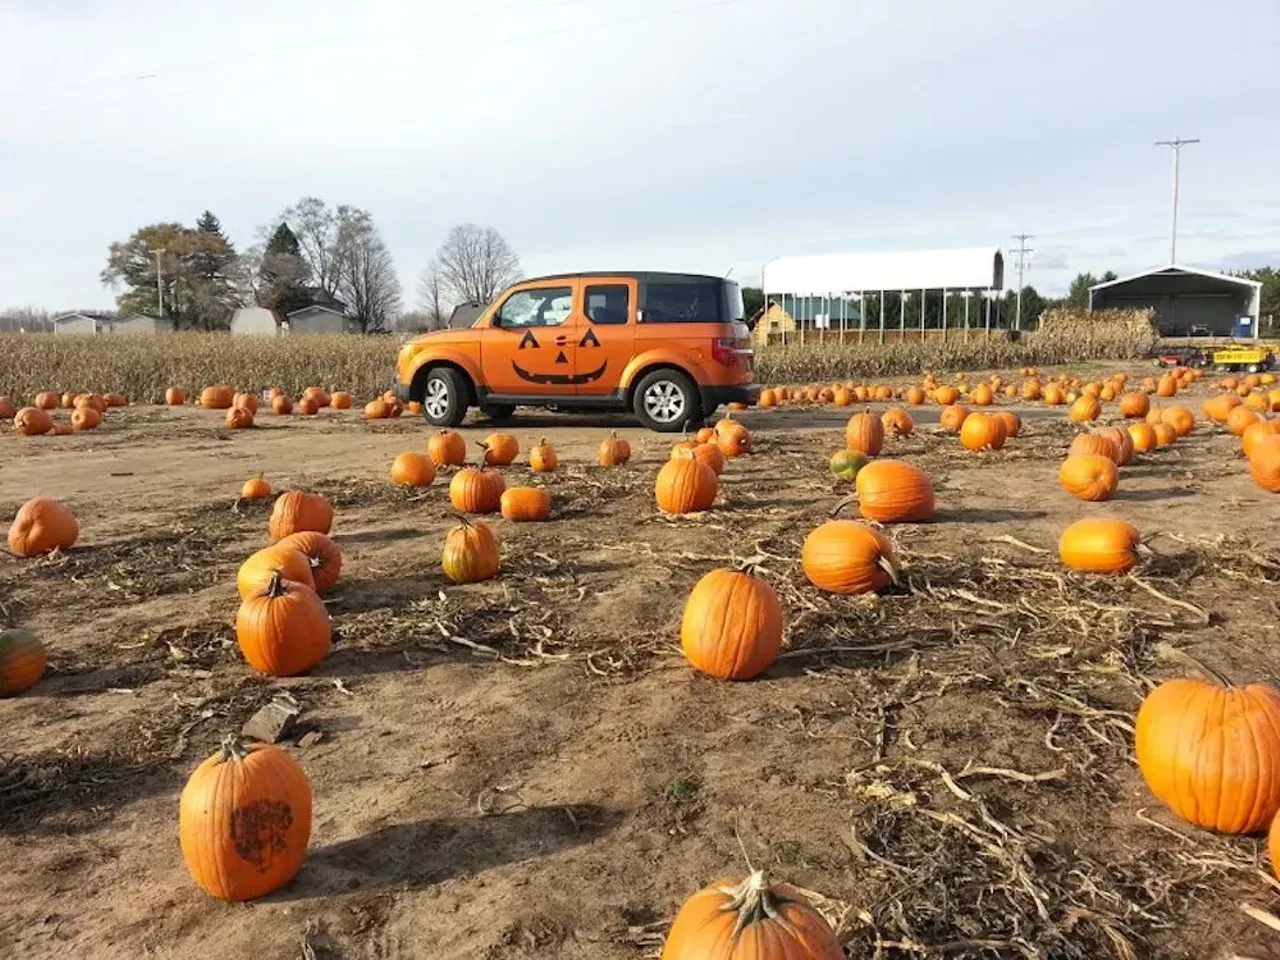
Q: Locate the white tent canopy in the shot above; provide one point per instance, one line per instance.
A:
(977, 268)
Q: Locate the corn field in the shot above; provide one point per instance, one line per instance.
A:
(143, 367)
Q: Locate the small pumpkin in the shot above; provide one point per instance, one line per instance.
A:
(174, 397)
(6, 408)
(1264, 463)
(982, 431)
(247, 401)
(68, 401)
(502, 449)
(685, 486)
(42, 525)
(45, 400)
(981, 396)
(1210, 753)
(768, 398)
(1254, 434)
(377, 410)
(447, 448)
(841, 397)
(91, 400)
(894, 491)
(238, 418)
(324, 555)
(1241, 419)
(916, 396)
(613, 451)
(897, 422)
(22, 661)
(1054, 396)
(256, 572)
(85, 418)
(216, 397)
(705, 453)
(244, 820)
(476, 490)
(283, 628)
(32, 421)
(413, 469)
(1087, 477)
(1165, 434)
(846, 557)
(308, 406)
(733, 439)
(319, 395)
(952, 417)
(1121, 442)
(732, 625)
(1143, 436)
(705, 435)
(255, 488)
(470, 552)
(1099, 545)
(341, 400)
(525, 504)
(752, 920)
(1012, 422)
(295, 512)
(542, 458)
(845, 464)
(1092, 445)
(61, 430)
(946, 396)
(864, 433)
(282, 404)
(1167, 387)
(1085, 409)
(1135, 405)
(1180, 418)
(1219, 408)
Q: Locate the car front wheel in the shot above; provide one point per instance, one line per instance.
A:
(666, 400)
(444, 398)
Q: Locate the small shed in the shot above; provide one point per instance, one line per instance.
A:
(1187, 301)
(771, 323)
(316, 318)
(140, 324)
(256, 321)
(83, 322)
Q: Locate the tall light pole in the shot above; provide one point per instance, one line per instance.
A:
(1176, 144)
(159, 282)
(1022, 252)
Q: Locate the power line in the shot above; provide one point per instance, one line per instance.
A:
(1022, 252)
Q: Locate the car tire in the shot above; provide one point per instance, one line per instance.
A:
(444, 397)
(666, 401)
(498, 412)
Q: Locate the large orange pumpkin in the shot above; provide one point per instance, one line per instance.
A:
(1012, 423)
(447, 448)
(981, 395)
(503, 449)
(1143, 436)
(377, 410)
(325, 557)
(22, 661)
(1099, 545)
(1054, 395)
(525, 504)
(1181, 419)
(46, 400)
(244, 820)
(946, 396)
(85, 418)
(239, 418)
(1165, 435)
(982, 431)
(894, 491)
(613, 451)
(1088, 477)
(543, 457)
(1264, 463)
(685, 486)
(341, 400)
(752, 920)
(732, 625)
(283, 628)
(1241, 419)
(1219, 408)
(864, 433)
(470, 552)
(1121, 442)
(413, 469)
(705, 453)
(733, 439)
(1092, 445)
(318, 394)
(295, 512)
(897, 422)
(42, 525)
(844, 556)
(1254, 434)
(1085, 409)
(249, 401)
(32, 421)
(1212, 753)
(1135, 405)
(256, 572)
(282, 404)
(952, 417)
(217, 397)
(174, 397)
(476, 490)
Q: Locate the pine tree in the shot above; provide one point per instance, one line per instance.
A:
(284, 274)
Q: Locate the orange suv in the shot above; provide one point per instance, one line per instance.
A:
(669, 346)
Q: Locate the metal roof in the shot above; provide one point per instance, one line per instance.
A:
(1177, 269)
(955, 269)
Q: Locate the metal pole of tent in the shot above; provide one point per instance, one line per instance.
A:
(944, 314)
(782, 307)
(987, 297)
(924, 302)
(882, 316)
(968, 295)
(902, 315)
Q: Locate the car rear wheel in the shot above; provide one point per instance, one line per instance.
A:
(666, 400)
(444, 398)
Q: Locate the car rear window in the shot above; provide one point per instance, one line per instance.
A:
(684, 301)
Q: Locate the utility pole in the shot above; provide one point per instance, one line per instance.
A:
(1022, 252)
(1176, 144)
(159, 281)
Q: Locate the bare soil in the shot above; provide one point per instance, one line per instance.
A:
(527, 768)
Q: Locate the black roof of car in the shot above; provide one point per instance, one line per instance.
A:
(642, 275)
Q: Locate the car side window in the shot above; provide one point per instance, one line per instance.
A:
(683, 302)
(608, 303)
(548, 307)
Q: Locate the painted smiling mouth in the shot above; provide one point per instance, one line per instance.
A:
(559, 379)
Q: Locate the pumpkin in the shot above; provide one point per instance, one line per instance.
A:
(282, 404)
(447, 448)
(952, 417)
(1165, 435)
(897, 422)
(1107, 393)
(295, 512)
(705, 453)
(61, 430)
(768, 398)
(1209, 752)
(894, 491)
(247, 401)
(844, 556)
(32, 421)
(915, 396)
(752, 920)
(1031, 390)
(324, 555)
(283, 628)
(1092, 390)
(42, 525)
(1241, 419)
(1054, 396)
(1264, 463)
(256, 572)
(85, 418)
(685, 486)
(308, 406)
(1167, 386)
(216, 398)
(946, 396)
(68, 401)
(1143, 436)
(864, 433)
(255, 488)
(1085, 409)
(238, 418)
(732, 625)
(842, 397)
(981, 395)
(46, 400)
(733, 439)
(502, 449)
(1122, 443)
(6, 408)
(1135, 405)
(91, 400)
(1180, 418)
(341, 400)
(845, 464)
(244, 820)
(377, 410)
(613, 451)
(981, 431)
(1088, 477)
(413, 469)
(1099, 545)
(1220, 407)
(470, 552)
(1254, 434)
(1012, 423)
(1092, 445)
(524, 504)
(22, 661)
(174, 397)
(705, 435)
(319, 395)
(476, 490)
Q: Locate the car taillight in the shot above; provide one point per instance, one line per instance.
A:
(723, 352)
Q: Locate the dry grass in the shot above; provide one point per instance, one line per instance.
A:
(143, 367)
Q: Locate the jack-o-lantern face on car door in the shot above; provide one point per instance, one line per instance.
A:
(529, 346)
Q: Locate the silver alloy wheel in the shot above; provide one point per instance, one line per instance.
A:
(664, 401)
(436, 402)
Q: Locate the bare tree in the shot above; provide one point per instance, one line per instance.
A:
(475, 263)
(367, 279)
(316, 228)
(431, 301)
(26, 320)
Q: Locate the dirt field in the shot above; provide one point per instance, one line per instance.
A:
(527, 768)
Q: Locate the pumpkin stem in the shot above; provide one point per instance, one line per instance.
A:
(887, 565)
(753, 902)
(232, 749)
(1169, 651)
(842, 503)
(484, 460)
(276, 587)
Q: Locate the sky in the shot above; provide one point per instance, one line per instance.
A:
(698, 135)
